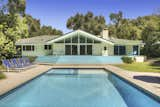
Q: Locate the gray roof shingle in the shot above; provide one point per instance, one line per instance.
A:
(36, 40)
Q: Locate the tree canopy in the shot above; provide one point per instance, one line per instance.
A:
(16, 24)
(146, 28)
(87, 22)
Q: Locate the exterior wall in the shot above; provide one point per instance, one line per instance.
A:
(58, 49)
(38, 51)
(110, 50)
(97, 49)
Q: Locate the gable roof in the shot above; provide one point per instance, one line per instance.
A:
(36, 40)
(79, 32)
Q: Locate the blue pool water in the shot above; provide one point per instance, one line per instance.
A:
(69, 88)
(80, 59)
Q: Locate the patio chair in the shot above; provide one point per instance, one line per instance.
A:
(15, 62)
(27, 61)
(10, 67)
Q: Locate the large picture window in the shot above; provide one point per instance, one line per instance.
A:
(119, 50)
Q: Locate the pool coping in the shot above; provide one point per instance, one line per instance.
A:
(139, 84)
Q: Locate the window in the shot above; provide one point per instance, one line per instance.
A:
(61, 41)
(119, 50)
(95, 41)
(47, 47)
(82, 39)
(116, 50)
(135, 50)
(122, 50)
(68, 40)
(75, 39)
(89, 49)
(105, 48)
(89, 40)
(28, 47)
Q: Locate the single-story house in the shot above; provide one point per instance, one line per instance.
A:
(78, 43)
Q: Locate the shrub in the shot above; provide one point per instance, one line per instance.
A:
(2, 76)
(32, 58)
(127, 60)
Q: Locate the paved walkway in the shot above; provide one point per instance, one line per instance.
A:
(148, 81)
(15, 79)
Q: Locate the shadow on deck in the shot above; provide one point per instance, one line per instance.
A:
(150, 79)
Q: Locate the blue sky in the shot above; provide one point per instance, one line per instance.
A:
(56, 12)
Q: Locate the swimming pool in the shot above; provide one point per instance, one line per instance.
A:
(77, 88)
(80, 59)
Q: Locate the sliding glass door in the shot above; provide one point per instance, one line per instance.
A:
(68, 50)
(78, 49)
(74, 50)
(89, 49)
(82, 50)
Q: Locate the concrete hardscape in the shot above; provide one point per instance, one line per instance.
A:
(15, 79)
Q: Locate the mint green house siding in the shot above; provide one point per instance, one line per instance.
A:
(78, 43)
(38, 51)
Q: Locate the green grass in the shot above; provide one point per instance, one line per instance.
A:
(140, 67)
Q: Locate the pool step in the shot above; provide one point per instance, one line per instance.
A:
(63, 72)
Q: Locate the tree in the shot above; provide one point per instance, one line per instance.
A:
(7, 48)
(116, 18)
(150, 36)
(33, 25)
(130, 28)
(87, 22)
(48, 30)
(13, 26)
(17, 7)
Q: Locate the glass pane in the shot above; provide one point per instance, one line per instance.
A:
(61, 41)
(115, 50)
(68, 49)
(74, 50)
(75, 39)
(68, 40)
(89, 49)
(122, 50)
(89, 40)
(135, 50)
(95, 41)
(82, 49)
(28, 48)
(82, 39)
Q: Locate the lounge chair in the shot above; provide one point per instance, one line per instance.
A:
(9, 66)
(26, 61)
(17, 64)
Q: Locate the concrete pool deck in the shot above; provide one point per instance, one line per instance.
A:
(15, 79)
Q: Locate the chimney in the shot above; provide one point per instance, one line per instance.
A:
(105, 33)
